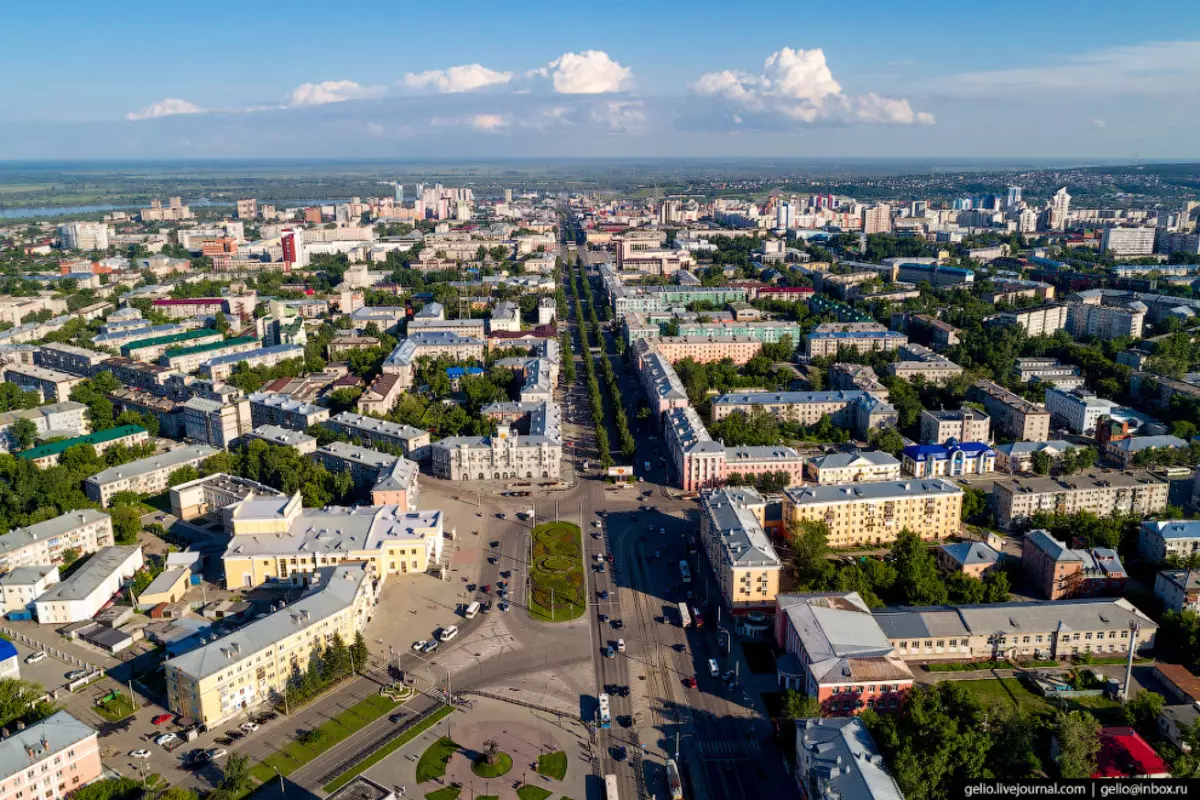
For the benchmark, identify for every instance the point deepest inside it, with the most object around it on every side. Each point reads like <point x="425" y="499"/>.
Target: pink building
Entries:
<point x="50" y="759"/>
<point x="661" y="385"/>
<point x="709" y="349"/>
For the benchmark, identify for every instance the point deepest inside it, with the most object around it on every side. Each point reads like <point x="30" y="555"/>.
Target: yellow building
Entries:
<point x="875" y="513"/>
<point x="276" y="538"/>
<point x="740" y="553"/>
<point x="252" y="665"/>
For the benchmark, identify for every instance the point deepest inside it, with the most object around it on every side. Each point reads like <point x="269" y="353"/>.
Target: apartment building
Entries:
<point x="1157" y="540"/>
<point x="645" y="299"/>
<point x="215" y="422"/>
<point x="919" y="361"/>
<point x="860" y="466"/>
<point x="189" y="359"/>
<point x="403" y="359"/>
<point x="699" y="461"/>
<point x="1010" y="290"/>
<point x="85" y="591"/>
<point x="1050" y="629"/>
<point x="54" y="386"/>
<point x="1018" y="456"/>
<point x="214" y="493"/>
<point x="217" y="681"/>
<point x="1106" y="322"/>
<point x="391" y="479"/>
<point x="738" y="550"/>
<point x="975" y="559"/>
<point x="1043" y="320"/>
<point x="340" y="347"/>
<point x="875" y="513"/>
<point x="83" y="531"/>
<point x="381" y="396"/>
<point x="831" y="337"/>
<point x="751" y="461"/>
<point x="1049" y="370"/>
<point x="1178" y="589"/>
<point x="1104" y="494"/>
<point x="50" y="759"/>
<point x="116" y="336"/>
<point x="56" y="419"/>
<point x="476" y="328"/>
<point x="153" y="347"/>
<point x="270" y="408"/>
<point x="856" y="377"/>
<point x="708" y="349"/>
<point x="221" y="367"/>
<point x="836" y="651"/>
<point x="838" y="758"/>
<point x="1077" y="410"/>
<point x="508" y="454"/>
<point x="964" y="424"/>
<point x="138" y="375"/>
<point x="145" y="476"/>
<point x="284" y="437"/>
<point x="1059" y="571"/>
<point x="1128" y="242"/>
<point x="19" y="587"/>
<point x="804" y="408"/>
<point x="660" y="383"/>
<point x="48" y="455"/>
<point x="414" y="442"/>
<point x="87" y="236"/>
<point x="69" y="358"/>
<point x="275" y="538"/>
<point x="1011" y="413"/>
<point x="948" y="461"/>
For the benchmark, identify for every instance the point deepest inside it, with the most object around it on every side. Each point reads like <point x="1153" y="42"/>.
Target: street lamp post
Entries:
<point x="279" y="775"/>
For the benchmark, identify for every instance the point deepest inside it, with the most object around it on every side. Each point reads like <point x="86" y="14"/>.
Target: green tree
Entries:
<point x="1041" y="462"/>
<point x="974" y="503"/>
<point x="1142" y="710"/>
<point x="236" y="778"/>
<point x="810" y="545"/>
<point x="888" y="440"/>
<point x="918" y="580"/>
<point x="19" y="701"/>
<point x="221" y="322"/>
<point x="183" y="475"/>
<point x="1078" y="737"/>
<point x="23" y="432"/>
<point x="798" y="705"/>
<point x="359" y="651"/>
<point x="127" y="522"/>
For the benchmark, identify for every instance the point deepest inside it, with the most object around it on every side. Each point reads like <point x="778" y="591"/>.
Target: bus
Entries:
<point x="610" y="788"/>
<point x="605" y="717"/>
<point x="472" y="610"/>
<point x="685" y="619"/>
<point x="673" y="782"/>
<point x="685" y="572"/>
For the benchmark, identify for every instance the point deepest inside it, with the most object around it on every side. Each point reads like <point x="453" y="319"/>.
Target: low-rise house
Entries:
<point x="85" y="592"/>
<point x="1158" y="539"/>
<point x="1125" y="754"/>
<point x="1018" y="456"/>
<point x="50" y="759"/>
<point x="953" y="461"/>
<point x="859" y="466"/>
<point x="965" y="424"/>
<point x="1178" y="589"/>
<point x="1059" y="571"/>
<point x="975" y="559"/>
<point x="21" y="586"/>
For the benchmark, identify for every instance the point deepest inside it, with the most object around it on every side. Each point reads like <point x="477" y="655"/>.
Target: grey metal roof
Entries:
<point x="1174" y="529"/>
<point x="1090" y="614"/>
<point x="164" y="581"/>
<point x="174" y="458"/>
<point x="875" y="458"/>
<point x="103" y="563"/>
<point x="1056" y="550"/>
<point x="883" y="490"/>
<point x="291" y="350"/>
<point x="743" y="541"/>
<point x="285" y="402"/>
<point x="969" y="553"/>
<point x="790" y="398"/>
<point x="359" y="422"/>
<point x="18" y="538"/>
<point x="334" y="589"/>
<point x="25" y="576"/>
<point x="845" y="758"/>
<point x="276" y="434"/>
<point x="332" y="529"/>
<point x="40" y="741"/>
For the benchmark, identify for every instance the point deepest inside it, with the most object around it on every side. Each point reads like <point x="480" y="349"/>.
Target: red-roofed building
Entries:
<point x="1125" y="754"/>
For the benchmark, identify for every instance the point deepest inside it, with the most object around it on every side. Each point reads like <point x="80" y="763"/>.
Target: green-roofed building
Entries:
<point x="151" y="349"/>
<point x="47" y="455"/>
<point x="188" y="359"/>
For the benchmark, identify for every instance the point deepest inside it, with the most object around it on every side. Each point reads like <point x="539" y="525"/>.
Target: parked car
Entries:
<point x="689" y="682"/>
<point x="34" y="658"/>
<point x="503" y="606"/>
<point x="140" y="753"/>
<point x="430" y="646"/>
<point x="610" y="652"/>
<point x="216" y="752"/>
<point x="618" y="624"/>
<point x="419" y="644"/>
<point x="164" y="739"/>
<point x="448" y="633"/>
<point x="234" y="735"/>
<point x="249" y="727"/>
<point x="604" y="594"/>
<point x="620" y="645"/>
<point x="161" y="718"/>
<point x="76" y="674"/>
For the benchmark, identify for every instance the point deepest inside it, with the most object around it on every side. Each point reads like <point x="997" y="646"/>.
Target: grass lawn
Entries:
<point x="1010" y="691"/>
<point x="500" y="766"/>
<point x="295" y="754"/>
<point x="434" y="759"/>
<point x="532" y="793"/>
<point x="553" y="765"/>
<point x="388" y="749"/>
<point x="557" y="576"/>
<point x="159" y="502"/>
<point x="445" y="793"/>
<point x="116" y="709"/>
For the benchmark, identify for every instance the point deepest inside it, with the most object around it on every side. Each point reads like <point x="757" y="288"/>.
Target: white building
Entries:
<point x="1158" y="540"/>
<point x="57" y="419"/>
<point x="83" y="531"/>
<point x="83" y="236"/>
<point x="1128" y="241"/>
<point x="212" y="422"/>
<point x="21" y="586"/>
<point x="146" y="475"/>
<point x="82" y="594"/>
<point x="1078" y="410"/>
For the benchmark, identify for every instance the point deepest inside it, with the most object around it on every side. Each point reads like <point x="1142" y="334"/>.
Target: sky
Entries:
<point x="656" y="78"/>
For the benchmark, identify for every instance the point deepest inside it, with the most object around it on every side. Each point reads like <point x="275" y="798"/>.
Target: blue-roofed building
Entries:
<point x="1159" y="539"/>
<point x="970" y="558"/>
<point x="948" y="460"/>
<point x="456" y="374"/>
<point x="1126" y="450"/>
<point x="10" y="660"/>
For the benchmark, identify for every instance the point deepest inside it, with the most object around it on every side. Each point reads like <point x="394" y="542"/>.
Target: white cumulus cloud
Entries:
<point x="620" y="116"/>
<point x="167" y="107"/>
<point x="589" y="72"/>
<point x="462" y="78"/>
<point x="319" y="94"/>
<point x="796" y="87"/>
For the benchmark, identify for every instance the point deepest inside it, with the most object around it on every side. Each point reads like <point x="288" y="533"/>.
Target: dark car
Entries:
<point x="618" y="624"/>
<point x="625" y="721"/>
<point x="603" y="618"/>
<point x="620" y="752"/>
<point x="233" y="736"/>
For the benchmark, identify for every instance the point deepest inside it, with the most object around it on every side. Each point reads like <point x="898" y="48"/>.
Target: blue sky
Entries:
<point x="863" y="78"/>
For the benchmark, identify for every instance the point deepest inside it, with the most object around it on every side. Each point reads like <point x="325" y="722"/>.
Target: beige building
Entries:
<point x="276" y="538"/>
<point x="864" y="337"/>
<point x="381" y="396"/>
<point x="1011" y="413"/>
<point x="250" y="666"/>
<point x="875" y="513"/>
<point x="216" y="423"/>
<point x="1102" y="493"/>
<point x="144" y="476"/>
<point x="857" y="467"/>
<point x="919" y="361"/>
<point x="403" y="359"/>
<point x="1106" y="322"/>
<point x="739" y="551"/>
<point x="54" y="386"/>
<point x="505" y="455"/>
<point x="708" y="349"/>
<point x="1037" y="321"/>
<point x="83" y="531"/>
<point x="965" y="424"/>
<point x="215" y="493"/>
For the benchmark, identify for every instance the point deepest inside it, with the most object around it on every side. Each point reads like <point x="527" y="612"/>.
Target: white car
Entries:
<point x="139" y="753"/>
<point x="34" y="658"/>
<point x="249" y="727"/>
<point x="448" y="633"/>
<point x="164" y="739"/>
<point x="620" y="645"/>
<point x="419" y="645"/>
<point x="596" y="524"/>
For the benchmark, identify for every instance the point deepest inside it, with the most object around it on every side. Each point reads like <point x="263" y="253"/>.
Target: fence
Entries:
<point x="521" y="703"/>
<point x="375" y="746"/>
<point x="59" y="654"/>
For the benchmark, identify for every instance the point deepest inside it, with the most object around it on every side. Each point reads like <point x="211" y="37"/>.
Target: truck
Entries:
<point x="673" y="783"/>
<point x="646" y="464"/>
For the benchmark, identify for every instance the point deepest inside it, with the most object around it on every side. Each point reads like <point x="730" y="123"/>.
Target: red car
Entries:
<point x="689" y="682"/>
<point x="609" y="558"/>
<point x="161" y="718"/>
<point x="487" y="587"/>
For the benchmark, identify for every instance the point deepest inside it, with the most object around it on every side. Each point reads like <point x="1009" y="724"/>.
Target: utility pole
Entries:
<point x="1134" y="627"/>
<point x="677" y="745"/>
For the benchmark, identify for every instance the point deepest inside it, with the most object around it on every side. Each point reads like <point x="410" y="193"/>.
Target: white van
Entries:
<point x="451" y="631"/>
<point x="713" y="669"/>
<point x="472" y="610"/>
